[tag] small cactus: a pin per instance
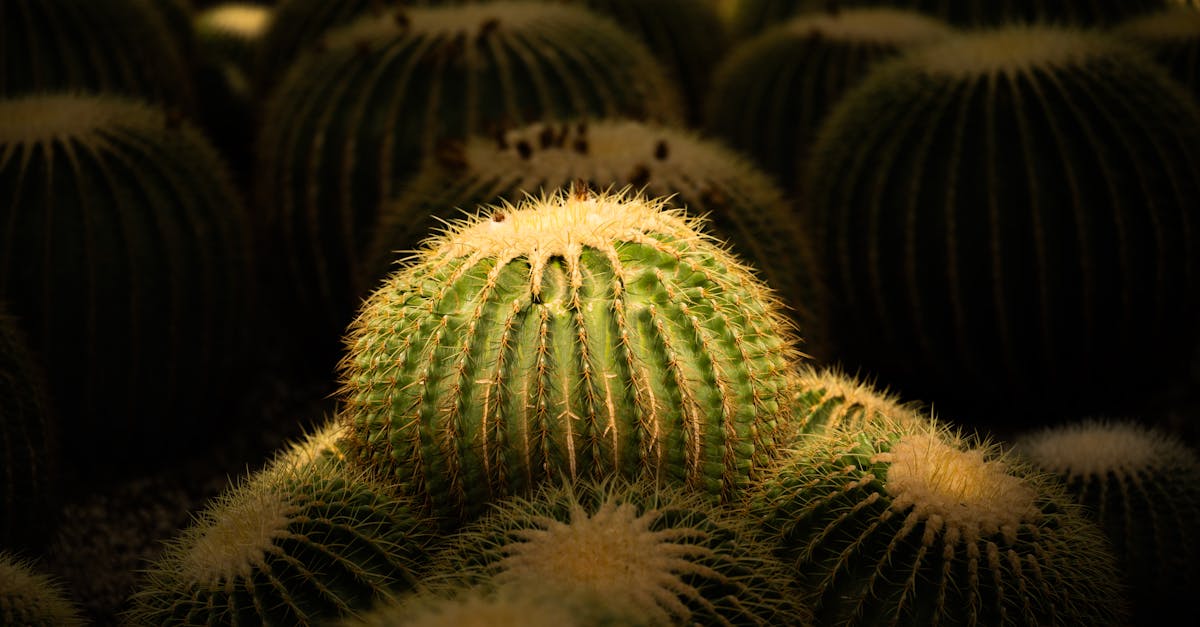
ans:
(654, 554)
(576, 334)
(830, 399)
(907, 523)
(30, 598)
(1143, 488)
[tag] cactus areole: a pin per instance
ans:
(577, 335)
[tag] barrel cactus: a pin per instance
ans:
(295, 543)
(482, 607)
(31, 598)
(744, 206)
(577, 334)
(1172, 38)
(1142, 486)
(351, 122)
(658, 555)
(770, 94)
(829, 399)
(908, 523)
(119, 46)
(1009, 221)
(127, 255)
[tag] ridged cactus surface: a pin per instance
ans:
(829, 399)
(906, 523)
(651, 554)
(31, 598)
(745, 208)
(126, 252)
(28, 441)
(349, 124)
(575, 335)
(1009, 221)
(1142, 486)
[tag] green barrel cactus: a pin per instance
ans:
(743, 205)
(119, 46)
(574, 335)
(1142, 485)
(906, 523)
(481, 606)
(1009, 223)
(351, 122)
(28, 441)
(662, 555)
(31, 598)
(1172, 38)
(829, 399)
(127, 254)
(771, 93)
(295, 543)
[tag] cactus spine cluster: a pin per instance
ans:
(906, 523)
(582, 335)
(830, 399)
(32, 599)
(1143, 488)
(126, 252)
(1009, 222)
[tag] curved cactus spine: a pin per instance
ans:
(349, 124)
(126, 251)
(295, 543)
(771, 93)
(905, 522)
(1172, 38)
(744, 206)
(1011, 230)
(1142, 486)
(33, 599)
(577, 335)
(657, 554)
(28, 441)
(120, 46)
(830, 399)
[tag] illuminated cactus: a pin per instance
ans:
(576, 335)
(1009, 221)
(771, 93)
(745, 207)
(830, 399)
(351, 122)
(32, 599)
(1172, 38)
(656, 554)
(1143, 488)
(296, 543)
(905, 523)
(126, 254)
(28, 445)
(121, 46)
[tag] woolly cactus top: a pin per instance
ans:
(231, 547)
(240, 19)
(1014, 50)
(897, 27)
(41, 118)
(1095, 448)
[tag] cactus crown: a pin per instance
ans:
(1011, 50)
(246, 20)
(43, 118)
(232, 545)
(1094, 448)
(890, 26)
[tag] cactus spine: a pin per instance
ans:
(1143, 488)
(1010, 221)
(905, 523)
(576, 335)
(32, 599)
(830, 399)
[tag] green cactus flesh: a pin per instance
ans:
(1143, 488)
(576, 334)
(744, 207)
(657, 555)
(1009, 222)
(830, 399)
(905, 523)
(32, 599)
(295, 543)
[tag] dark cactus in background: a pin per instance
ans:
(1010, 221)
(28, 441)
(126, 253)
(568, 337)
(351, 122)
(1172, 38)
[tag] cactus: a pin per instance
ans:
(578, 335)
(1009, 221)
(294, 543)
(656, 554)
(31, 598)
(1172, 38)
(126, 252)
(1142, 486)
(745, 207)
(28, 441)
(477, 607)
(121, 46)
(830, 399)
(908, 523)
(349, 124)
(770, 94)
